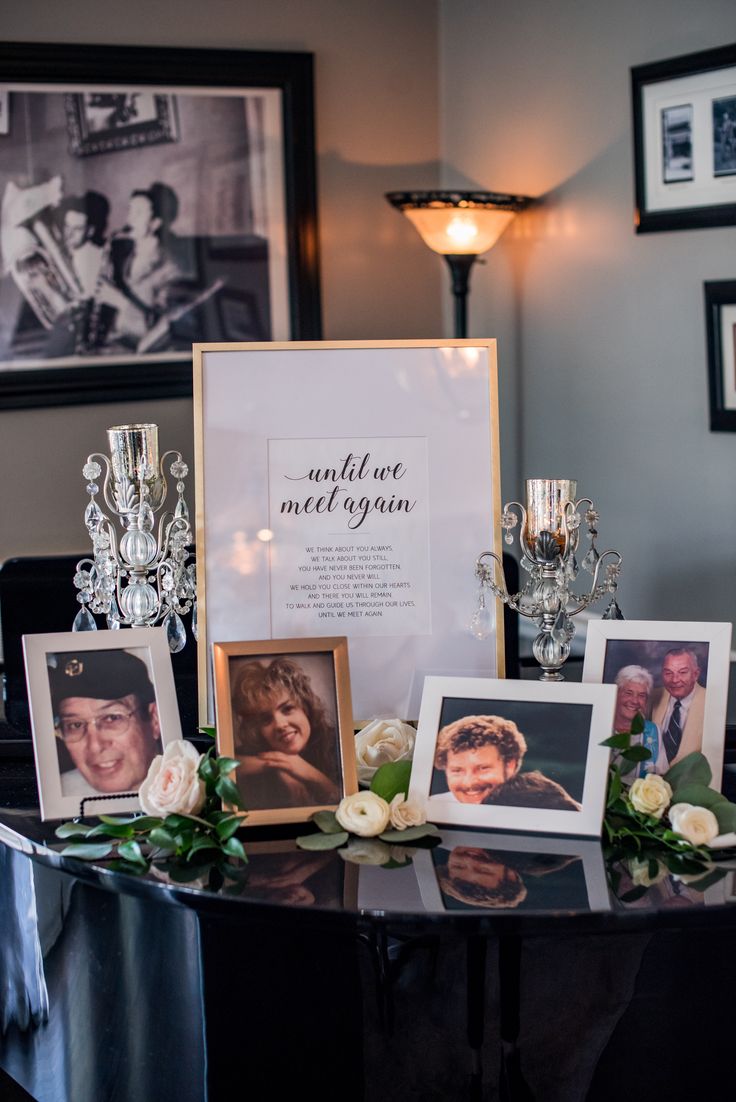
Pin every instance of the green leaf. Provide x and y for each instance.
(146, 822)
(725, 813)
(322, 841)
(203, 841)
(634, 894)
(161, 838)
(699, 795)
(131, 851)
(636, 753)
(410, 834)
(208, 770)
(227, 827)
(693, 769)
(618, 742)
(210, 731)
(326, 821)
(118, 820)
(86, 852)
(392, 778)
(233, 847)
(107, 830)
(637, 724)
(614, 788)
(228, 792)
(175, 822)
(72, 830)
(226, 765)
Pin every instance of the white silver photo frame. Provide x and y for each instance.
(59, 798)
(348, 488)
(612, 645)
(523, 879)
(559, 779)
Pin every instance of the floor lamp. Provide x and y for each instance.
(460, 225)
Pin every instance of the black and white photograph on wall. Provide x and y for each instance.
(103, 707)
(720, 332)
(677, 143)
(149, 200)
(724, 136)
(512, 755)
(675, 676)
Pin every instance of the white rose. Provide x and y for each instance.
(650, 795)
(381, 741)
(406, 813)
(724, 841)
(364, 813)
(173, 786)
(368, 851)
(697, 825)
(641, 875)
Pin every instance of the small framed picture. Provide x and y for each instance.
(284, 711)
(513, 755)
(103, 706)
(468, 871)
(720, 333)
(685, 141)
(674, 674)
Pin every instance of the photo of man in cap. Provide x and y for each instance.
(106, 720)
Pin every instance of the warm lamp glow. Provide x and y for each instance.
(452, 230)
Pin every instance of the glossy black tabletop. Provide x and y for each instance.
(489, 966)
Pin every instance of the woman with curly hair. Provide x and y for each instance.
(285, 743)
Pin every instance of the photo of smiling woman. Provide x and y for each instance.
(285, 731)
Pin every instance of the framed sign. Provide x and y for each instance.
(685, 141)
(513, 755)
(720, 333)
(349, 487)
(675, 674)
(283, 710)
(103, 706)
(150, 198)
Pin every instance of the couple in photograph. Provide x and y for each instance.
(673, 714)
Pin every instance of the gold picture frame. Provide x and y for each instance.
(284, 710)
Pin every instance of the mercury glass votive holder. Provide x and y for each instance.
(545, 502)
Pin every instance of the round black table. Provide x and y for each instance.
(490, 967)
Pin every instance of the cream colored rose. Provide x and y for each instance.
(650, 795)
(697, 825)
(366, 851)
(363, 813)
(641, 874)
(382, 741)
(173, 786)
(406, 813)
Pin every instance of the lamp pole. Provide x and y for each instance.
(460, 265)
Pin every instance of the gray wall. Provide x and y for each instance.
(602, 335)
(377, 129)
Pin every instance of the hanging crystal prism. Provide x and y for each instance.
(481, 624)
(84, 620)
(175, 632)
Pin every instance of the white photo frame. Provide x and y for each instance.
(66, 793)
(612, 645)
(562, 725)
(532, 865)
(282, 432)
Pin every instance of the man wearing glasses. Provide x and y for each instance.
(105, 715)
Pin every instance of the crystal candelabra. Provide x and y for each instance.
(549, 537)
(141, 578)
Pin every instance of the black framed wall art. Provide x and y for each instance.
(720, 334)
(685, 141)
(150, 198)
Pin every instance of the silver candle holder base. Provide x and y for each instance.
(140, 578)
(549, 537)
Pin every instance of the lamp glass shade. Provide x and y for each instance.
(459, 230)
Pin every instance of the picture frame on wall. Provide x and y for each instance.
(513, 755)
(103, 706)
(684, 115)
(656, 665)
(720, 335)
(151, 198)
(284, 711)
(349, 486)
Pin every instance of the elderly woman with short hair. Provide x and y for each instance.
(635, 685)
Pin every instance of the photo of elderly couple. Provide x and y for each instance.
(666, 683)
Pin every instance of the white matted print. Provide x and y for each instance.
(470, 871)
(676, 675)
(513, 755)
(103, 705)
(349, 487)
